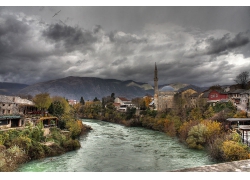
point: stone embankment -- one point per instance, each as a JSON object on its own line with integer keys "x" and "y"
{"x": 234, "y": 166}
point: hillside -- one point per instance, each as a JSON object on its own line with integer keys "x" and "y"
{"x": 9, "y": 89}
{"x": 88, "y": 88}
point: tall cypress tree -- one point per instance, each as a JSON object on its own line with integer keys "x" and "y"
{"x": 82, "y": 101}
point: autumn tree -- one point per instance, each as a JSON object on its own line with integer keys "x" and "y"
{"x": 63, "y": 102}
{"x": 42, "y": 101}
{"x": 242, "y": 79}
{"x": 147, "y": 101}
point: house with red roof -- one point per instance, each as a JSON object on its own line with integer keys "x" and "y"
{"x": 124, "y": 103}
{"x": 217, "y": 96}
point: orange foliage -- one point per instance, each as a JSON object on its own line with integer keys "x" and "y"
{"x": 213, "y": 128}
{"x": 169, "y": 128}
{"x": 240, "y": 114}
{"x": 147, "y": 101}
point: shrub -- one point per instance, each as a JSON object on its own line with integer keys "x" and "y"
{"x": 214, "y": 147}
{"x": 75, "y": 128}
{"x": 197, "y": 136}
{"x": 36, "y": 151}
{"x": 234, "y": 151}
{"x": 213, "y": 129}
{"x": 71, "y": 145}
{"x": 169, "y": 128}
{"x": 56, "y": 136}
{"x": 22, "y": 142}
{"x": 184, "y": 129}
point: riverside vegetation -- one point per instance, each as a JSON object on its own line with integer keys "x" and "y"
{"x": 201, "y": 127}
{"x": 18, "y": 146}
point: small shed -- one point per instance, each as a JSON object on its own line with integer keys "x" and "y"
{"x": 245, "y": 129}
{"x": 49, "y": 121}
{"x": 235, "y": 122}
{"x": 242, "y": 125}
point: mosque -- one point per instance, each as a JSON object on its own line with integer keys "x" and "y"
{"x": 163, "y": 98}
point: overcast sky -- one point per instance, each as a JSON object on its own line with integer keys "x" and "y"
{"x": 203, "y": 46}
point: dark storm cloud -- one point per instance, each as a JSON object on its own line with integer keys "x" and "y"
{"x": 124, "y": 43}
{"x": 97, "y": 28}
{"x": 11, "y": 33}
{"x": 70, "y": 36}
{"x": 119, "y": 61}
{"x": 226, "y": 43}
{"x": 12, "y": 25}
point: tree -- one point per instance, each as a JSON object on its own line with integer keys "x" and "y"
{"x": 113, "y": 96}
{"x": 42, "y": 101}
{"x": 147, "y": 101}
{"x": 96, "y": 99}
{"x": 63, "y": 102}
{"x": 82, "y": 101}
{"x": 56, "y": 108}
{"x": 242, "y": 79}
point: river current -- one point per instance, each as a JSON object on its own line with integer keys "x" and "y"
{"x": 115, "y": 148}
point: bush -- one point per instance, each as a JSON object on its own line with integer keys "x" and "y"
{"x": 71, "y": 144}
{"x": 36, "y": 151}
{"x": 197, "y": 136}
{"x": 234, "y": 151}
{"x": 75, "y": 128}
{"x": 10, "y": 158}
{"x": 214, "y": 147}
{"x": 184, "y": 129}
{"x": 22, "y": 142}
{"x": 213, "y": 129}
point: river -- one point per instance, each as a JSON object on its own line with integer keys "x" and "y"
{"x": 114, "y": 148}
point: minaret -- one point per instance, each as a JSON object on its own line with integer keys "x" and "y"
{"x": 156, "y": 80}
{"x": 156, "y": 88}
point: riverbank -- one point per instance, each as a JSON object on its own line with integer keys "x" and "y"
{"x": 21, "y": 146}
{"x": 209, "y": 135}
{"x": 111, "y": 147}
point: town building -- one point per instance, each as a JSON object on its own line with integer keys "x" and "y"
{"x": 163, "y": 98}
{"x": 235, "y": 95}
{"x": 72, "y": 102}
{"x": 13, "y": 110}
{"x": 123, "y": 102}
{"x": 215, "y": 96}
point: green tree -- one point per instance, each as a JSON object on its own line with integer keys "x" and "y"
{"x": 113, "y": 97}
{"x": 96, "y": 99}
{"x": 56, "y": 109}
{"x": 82, "y": 101}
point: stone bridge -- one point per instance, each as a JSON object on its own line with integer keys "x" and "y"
{"x": 234, "y": 166}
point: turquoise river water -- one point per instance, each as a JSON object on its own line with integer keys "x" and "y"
{"x": 115, "y": 148}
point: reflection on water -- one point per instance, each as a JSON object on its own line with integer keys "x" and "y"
{"x": 114, "y": 148}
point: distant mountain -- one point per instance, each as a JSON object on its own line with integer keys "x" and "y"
{"x": 9, "y": 89}
{"x": 196, "y": 88}
{"x": 182, "y": 86}
{"x": 89, "y": 88}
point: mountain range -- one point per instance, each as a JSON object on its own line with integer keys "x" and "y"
{"x": 87, "y": 87}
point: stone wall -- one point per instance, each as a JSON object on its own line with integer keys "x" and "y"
{"x": 234, "y": 166}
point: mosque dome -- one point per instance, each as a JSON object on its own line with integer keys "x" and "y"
{"x": 167, "y": 88}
